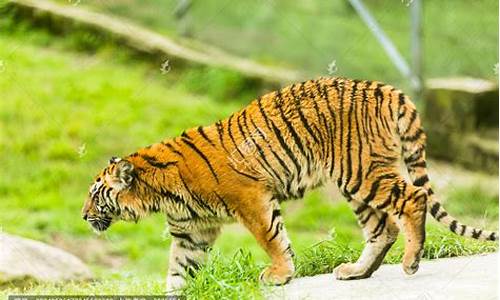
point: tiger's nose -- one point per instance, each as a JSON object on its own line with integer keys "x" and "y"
{"x": 85, "y": 217}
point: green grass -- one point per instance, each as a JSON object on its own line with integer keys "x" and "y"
{"x": 460, "y": 37}
{"x": 63, "y": 113}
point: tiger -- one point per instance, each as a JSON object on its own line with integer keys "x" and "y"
{"x": 352, "y": 133}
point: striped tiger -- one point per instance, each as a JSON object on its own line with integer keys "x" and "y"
{"x": 350, "y": 132}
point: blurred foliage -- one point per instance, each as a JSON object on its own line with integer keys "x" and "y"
{"x": 460, "y": 37}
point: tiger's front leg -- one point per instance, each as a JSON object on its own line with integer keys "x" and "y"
{"x": 263, "y": 219}
{"x": 187, "y": 254}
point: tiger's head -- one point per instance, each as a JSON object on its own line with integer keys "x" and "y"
{"x": 111, "y": 195}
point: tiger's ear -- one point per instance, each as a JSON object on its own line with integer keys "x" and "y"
{"x": 123, "y": 173}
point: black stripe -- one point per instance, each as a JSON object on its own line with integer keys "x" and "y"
{"x": 169, "y": 146}
{"x": 421, "y": 164}
{"x": 320, "y": 117}
{"x": 463, "y": 229}
{"x": 289, "y": 250}
{"x": 453, "y": 225}
{"x": 183, "y": 236}
{"x": 179, "y": 200}
{"x": 413, "y": 138}
{"x": 375, "y": 186}
{"x": 402, "y": 208}
{"x": 421, "y": 180}
{"x": 363, "y": 221}
{"x": 278, "y": 158}
{"x": 277, "y": 230}
{"x": 192, "y": 263}
{"x": 276, "y": 213}
{"x": 413, "y": 117}
{"x": 379, "y": 229}
{"x": 386, "y": 124}
{"x": 389, "y": 105}
{"x": 341, "y": 135}
{"x": 192, "y": 146}
{"x": 230, "y": 133}
{"x": 492, "y": 237}
{"x": 349, "y": 137}
{"x": 333, "y": 133}
{"x": 302, "y": 118}
{"x": 204, "y": 135}
{"x": 415, "y": 156}
{"x": 220, "y": 131}
{"x": 240, "y": 128}
{"x": 441, "y": 215}
{"x": 359, "y": 174}
{"x": 379, "y": 98}
{"x": 476, "y": 234}
{"x": 268, "y": 168}
{"x": 435, "y": 208}
{"x": 157, "y": 164}
{"x": 373, "y": 192}
{"x": 223, "y": 202}
{"x": 192, "y": 245}
{"x": 272, "y": 128}
{"x": 380, "y": 135}
{"x": 243, "y": 173}
{"x": 261, "y": 109}
{"x": 288, "y": 151}
{"x": 289, "y": 125}
{"x": 174, "y": 274}
{"x": 196, "y": 198}
{"x": 361, "y": 208}
{"x": 373, "y": 165}
{"x": 386, "y": 202}
{"x": 401, "y": 99}
{"x": 408, "y": 199}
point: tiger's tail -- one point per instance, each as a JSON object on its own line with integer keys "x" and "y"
{"x": 413, "y": 144}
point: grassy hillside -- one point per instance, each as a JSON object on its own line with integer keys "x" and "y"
{"x": 64, "y": 113}
{"x": 460, "y": 37}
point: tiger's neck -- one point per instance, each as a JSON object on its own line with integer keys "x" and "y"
{"x": 156, "y": 176}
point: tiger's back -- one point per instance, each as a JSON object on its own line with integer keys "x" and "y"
{"x": 308, "y": 133}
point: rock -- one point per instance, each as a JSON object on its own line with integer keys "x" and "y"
{"x": 24, "y": 259}
{"x": 461, "y": 121}
{"x": 472, "y": 277}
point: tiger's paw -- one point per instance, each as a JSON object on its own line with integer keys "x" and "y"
{"x": 410, "y": 266}
{"x": 350, "y": 271}
{"x": 276, "y": 275}
{"x": 175, "y": 284}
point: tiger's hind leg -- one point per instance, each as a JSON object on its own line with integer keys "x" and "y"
{"x": 380, "y": 232}
{"x": 411, "y": 210}
{"x": 406, "y": 205}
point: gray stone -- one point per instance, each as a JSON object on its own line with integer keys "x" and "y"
{"x": 472, "y": 277}
{"x": 461, "y": 121}
{"x": 24, "y": 259}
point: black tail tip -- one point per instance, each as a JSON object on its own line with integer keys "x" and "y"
{"x": 493, "y": 237}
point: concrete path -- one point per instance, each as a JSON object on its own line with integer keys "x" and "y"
{"x": 472, "y": 277}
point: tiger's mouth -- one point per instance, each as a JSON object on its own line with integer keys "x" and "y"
{"x": 100, "y": 224}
